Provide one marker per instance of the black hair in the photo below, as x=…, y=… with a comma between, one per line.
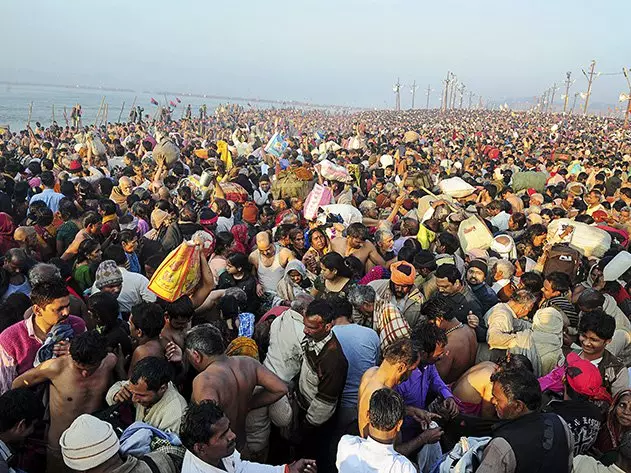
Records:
x=599, y=322
x=436, y=308
x=590, y=299
x=322, y=308
x=559, y=281
x=155, y=371
x=198, y=421
x=91, y=218
x=223, y=208
x=449, y=272
x=67, y=209
x=46, y=292
x=48, y=179
x=148, y=317
x=107, y=206
x=341, y=307
x=188, y=214
x=181, y=308
x=532, y=281
x=12, y=310
x=18, y=405
x=386, y=409
x=402, y=350
x=239, y=260
x=449, y=241
x=105, y=308
x=334, y=260
x=86, y=247
x=357, y=230
x=520, y=219
x=223, y=242
x=519, y=385
x=127, y=235
x=88, y=348
x=115, y=253
x=515, y=362
x=407, y=254
x=428, y=336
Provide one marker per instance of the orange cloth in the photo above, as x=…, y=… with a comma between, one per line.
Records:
x=398, y=274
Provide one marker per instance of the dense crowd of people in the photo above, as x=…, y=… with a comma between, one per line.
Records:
x=378, y=291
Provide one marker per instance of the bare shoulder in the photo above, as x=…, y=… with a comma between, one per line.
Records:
x=367, y=376
x=109, y=362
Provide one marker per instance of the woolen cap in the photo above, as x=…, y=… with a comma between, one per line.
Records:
x=88, y=443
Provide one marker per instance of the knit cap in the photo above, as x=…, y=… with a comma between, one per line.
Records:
x=108, y=274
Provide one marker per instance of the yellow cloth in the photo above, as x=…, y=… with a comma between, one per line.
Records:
x=243, y=346
x=425, y=236
x=224, y=154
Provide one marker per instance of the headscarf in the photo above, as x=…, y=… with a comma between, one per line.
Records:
x=287, y=289
x=240, y=234
x=613, y=428
x=224, y=154
x=6, y=233
x=243, y=346
x=584, y=378
x=158, y=217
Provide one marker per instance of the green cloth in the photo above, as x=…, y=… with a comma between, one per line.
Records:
x=81, y=274
x=529, y=180
x=66, y=233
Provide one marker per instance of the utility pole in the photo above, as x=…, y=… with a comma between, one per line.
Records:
x=567, y=90
x=589, y=85
x=574, y=103
x=413, y=90
x=397, y=93
x=471, y=94
x=554, y=89
x=462, y=89
x=454, y=87
x=544, y=102
x=446, y=95
x=480, y=103
x=429, y=89
x=626, y=113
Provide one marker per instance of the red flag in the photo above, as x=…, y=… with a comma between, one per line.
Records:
x=172, y=103
x=154, y=101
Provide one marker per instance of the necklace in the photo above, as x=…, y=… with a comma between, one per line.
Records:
x=454, y=328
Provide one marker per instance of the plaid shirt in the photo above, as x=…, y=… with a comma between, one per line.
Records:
x=389, y=323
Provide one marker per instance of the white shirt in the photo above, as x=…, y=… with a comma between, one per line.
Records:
x=134, y=290
x=232, y=464
x=358, y=455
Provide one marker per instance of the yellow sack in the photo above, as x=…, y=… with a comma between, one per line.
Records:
x=178, y=274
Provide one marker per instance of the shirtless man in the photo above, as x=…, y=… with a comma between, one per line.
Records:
x=268, y=263
x=356, y=244
x=399, y=360
x=462, y=344
x=474, y=390
x=230, y=381
x=78, y=386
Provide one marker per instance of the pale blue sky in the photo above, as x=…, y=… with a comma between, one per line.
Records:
x=326, y=51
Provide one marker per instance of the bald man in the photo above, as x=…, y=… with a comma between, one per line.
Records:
x=121, y=192
x=268, y=263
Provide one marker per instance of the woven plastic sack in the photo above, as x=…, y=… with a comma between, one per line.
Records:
x=456, y=187
x=320, y=195
x=333, y=172
x=234, y=192
x=589, y=241
x=474, y=234
x=179, y=273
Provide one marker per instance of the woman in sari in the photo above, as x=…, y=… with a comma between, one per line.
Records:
x=618, y=422
x=319, y=245
x=6, y=233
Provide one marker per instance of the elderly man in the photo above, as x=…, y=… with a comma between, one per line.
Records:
x=503, y=277
x=363, y=300
x=121, y=192
x=505, y=324
x=268, y=263
x=401, y=291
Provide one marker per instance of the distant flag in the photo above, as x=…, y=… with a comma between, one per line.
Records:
x=172, y=103
x=154, y=101
x=178, y=100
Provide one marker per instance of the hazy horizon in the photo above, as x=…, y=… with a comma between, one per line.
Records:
x=348, y=52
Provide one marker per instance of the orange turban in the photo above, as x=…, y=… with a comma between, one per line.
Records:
x=402, y=273
x=243, y=346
